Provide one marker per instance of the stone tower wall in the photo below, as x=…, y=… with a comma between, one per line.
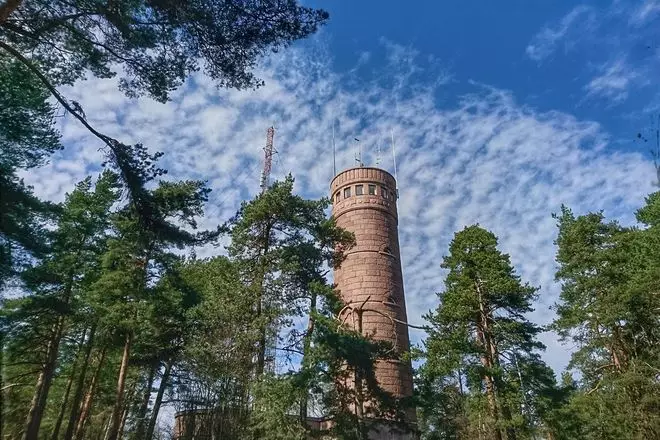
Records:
x=371, y=272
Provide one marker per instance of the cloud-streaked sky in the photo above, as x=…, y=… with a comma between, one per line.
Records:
x=501, y=112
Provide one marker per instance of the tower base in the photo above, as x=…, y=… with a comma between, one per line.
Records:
x=383, y=430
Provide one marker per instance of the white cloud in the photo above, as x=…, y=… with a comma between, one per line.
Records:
x=546, y=41
x=487, y=159
x=618, y=37
x=614, y=81
x=644, y=13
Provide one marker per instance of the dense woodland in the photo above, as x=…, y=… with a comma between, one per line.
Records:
x=110, y=323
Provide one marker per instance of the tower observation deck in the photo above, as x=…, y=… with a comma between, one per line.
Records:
x=370, y=278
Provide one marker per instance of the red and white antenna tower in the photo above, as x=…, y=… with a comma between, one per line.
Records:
x=268, y=159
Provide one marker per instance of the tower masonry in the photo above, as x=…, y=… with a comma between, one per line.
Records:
x=370, y=278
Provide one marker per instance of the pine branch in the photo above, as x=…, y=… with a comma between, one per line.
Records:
x=74, y=110
x=120, y=152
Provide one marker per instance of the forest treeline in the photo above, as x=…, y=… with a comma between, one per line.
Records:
x=110, y=322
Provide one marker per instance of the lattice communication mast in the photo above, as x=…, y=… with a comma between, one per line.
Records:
x=270, y=348
x=268, y=159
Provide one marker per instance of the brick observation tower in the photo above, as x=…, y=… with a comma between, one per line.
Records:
x=370, y=278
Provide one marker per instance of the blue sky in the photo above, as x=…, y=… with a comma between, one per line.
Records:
x=501, y=112
x=547, y=52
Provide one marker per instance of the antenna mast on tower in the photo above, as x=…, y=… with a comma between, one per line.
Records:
x=268, y=159
x=396, y=178
x=270, y=334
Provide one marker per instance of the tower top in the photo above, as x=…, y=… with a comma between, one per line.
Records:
x=363, y=188
x=361, y=173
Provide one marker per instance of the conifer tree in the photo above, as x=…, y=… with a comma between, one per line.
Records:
x=27, y=138
x=154, y=45
x=608, y=308
x=481, y=345
x=57, y=283
x=135, y=256
x=280, y=242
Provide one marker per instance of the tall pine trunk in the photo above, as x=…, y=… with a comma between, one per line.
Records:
x=261, y=351
x=126, y=408
x=44, y=381
x=60, y=418
x=490, y=387
x=65, y=401
x=483, y=339
x=80, y=384
x=86, y=407
x=144, y=404
x=492, y=361
x=116, y=419
x=305, y=360
x=510, y=432
x=159, y=400
x=2, y=382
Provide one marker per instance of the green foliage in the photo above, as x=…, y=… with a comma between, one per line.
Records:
x=281, y=242
x=609, y=308
x=482, y=356
x=155, y=44
x=27, y=133
x=27, y=137
x=275, y=398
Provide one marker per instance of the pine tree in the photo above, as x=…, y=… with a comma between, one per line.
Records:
x=280, y=242
x=609, y=309
x=57, y=282
x=481, y=344
x=135, y=256
x=27, y=138
x=155, y=45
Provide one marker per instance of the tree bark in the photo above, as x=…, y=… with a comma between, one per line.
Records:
x=89, y=398
x=80, y=384
x=159, y=400
x=115, y=424
x=44, y=381
x=483, y=338
x=125, y=410
x=306, y=345
x=144, y=405
x=2, y=381
x=58, y=424
x=261, y=352
x=7, y=8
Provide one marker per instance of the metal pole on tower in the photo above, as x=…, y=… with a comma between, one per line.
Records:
x=270, y=334
x=396, y=178
x=268, y=159
x=334, y=151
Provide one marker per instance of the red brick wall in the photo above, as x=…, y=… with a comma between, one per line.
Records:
x=372, y=269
